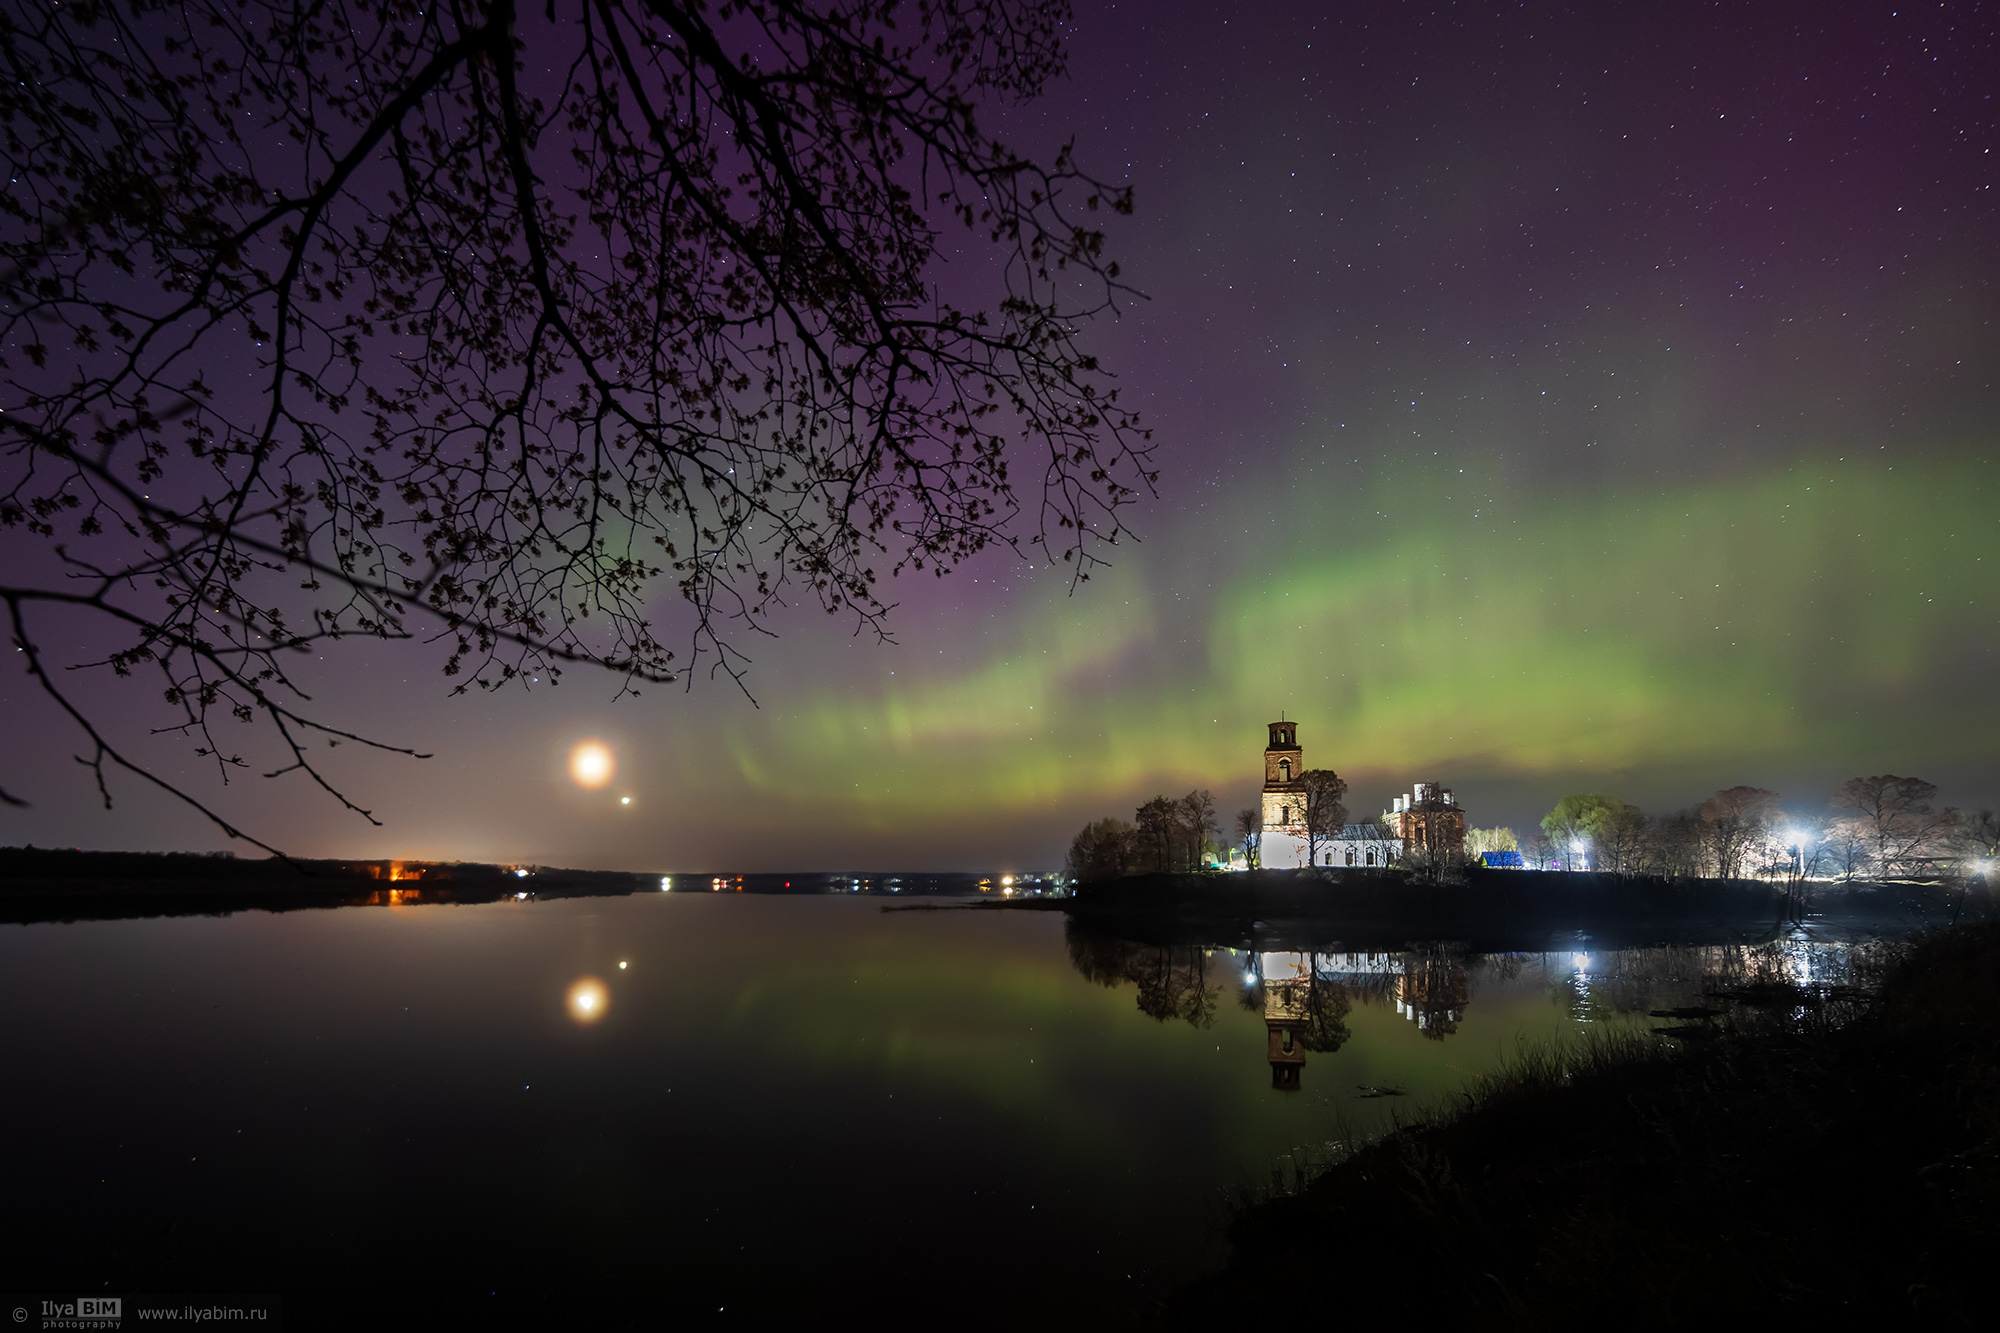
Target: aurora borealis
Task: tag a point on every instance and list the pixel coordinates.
(1549, 398)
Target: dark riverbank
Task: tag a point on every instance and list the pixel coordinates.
(1801, 1154)
(59, 884)
(67, 884)
(1498, 911)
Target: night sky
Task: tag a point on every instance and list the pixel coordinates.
(1548, 399)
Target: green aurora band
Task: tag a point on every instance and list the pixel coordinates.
(1812, 613)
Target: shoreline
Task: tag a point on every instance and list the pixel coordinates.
(1491, 911)
(1501, 911)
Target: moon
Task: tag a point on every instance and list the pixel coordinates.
(591, 764)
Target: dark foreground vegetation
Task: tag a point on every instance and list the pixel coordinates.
(1792, 1153)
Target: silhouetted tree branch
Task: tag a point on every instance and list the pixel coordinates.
(1325, 811)
(344, 320)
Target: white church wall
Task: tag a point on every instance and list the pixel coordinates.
(1283, 851)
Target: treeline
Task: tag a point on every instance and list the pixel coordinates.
(1883, 827)
(1166, 835)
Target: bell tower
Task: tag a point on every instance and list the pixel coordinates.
(1284, 793)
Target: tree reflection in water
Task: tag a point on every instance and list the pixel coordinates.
(1174, 981)
(1305, 996)
(1434, 989)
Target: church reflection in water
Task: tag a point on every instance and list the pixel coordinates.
(1305, 996)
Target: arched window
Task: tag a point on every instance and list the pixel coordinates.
(1284, 770)
(1371, 858)
(1284, 814)
(1350, 857)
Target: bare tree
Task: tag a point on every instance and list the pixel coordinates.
(1198, 826)
(1541, 849)
(341, 320)
(1101, 850)
(1324, 812)
(1675, 845)
(1801, 849)
(1250, 835)
(1896, 820)
(1736, 821)
(1977, 839)
(1847, 847)
(1158, 838)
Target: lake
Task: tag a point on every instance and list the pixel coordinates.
(722, 1104)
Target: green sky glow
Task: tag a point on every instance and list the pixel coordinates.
(1784, 612)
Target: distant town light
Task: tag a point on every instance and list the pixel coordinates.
(666, 884)
(624, 800)
(621, 966)
(520, 873)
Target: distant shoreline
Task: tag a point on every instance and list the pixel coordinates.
(1490, 911)
(203, 886)
(39, 884)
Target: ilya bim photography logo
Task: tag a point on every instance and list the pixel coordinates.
(78, 1312)
(125, 1312)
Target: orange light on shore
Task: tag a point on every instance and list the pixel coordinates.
(591, 764)
(587, 1000)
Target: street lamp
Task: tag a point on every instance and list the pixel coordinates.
(1577, 846)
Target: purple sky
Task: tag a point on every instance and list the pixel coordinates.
(1548, 399)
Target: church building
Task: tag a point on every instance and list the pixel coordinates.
(1429, 818)
(1284, 801)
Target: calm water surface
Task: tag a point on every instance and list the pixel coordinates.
(751, 1104)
